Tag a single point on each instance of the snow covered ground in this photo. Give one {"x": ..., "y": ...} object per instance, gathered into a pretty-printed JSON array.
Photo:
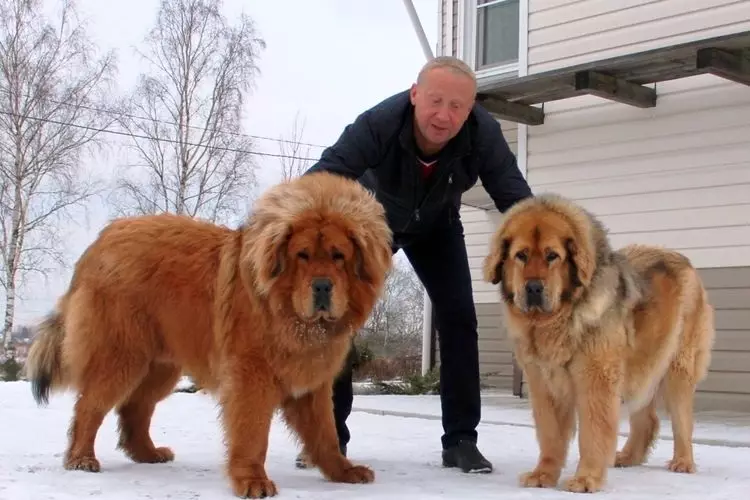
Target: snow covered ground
[{"x": 404, "y": 452}]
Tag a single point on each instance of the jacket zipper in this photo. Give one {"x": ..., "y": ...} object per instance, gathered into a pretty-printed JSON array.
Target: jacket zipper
[{"x": 417, "y": 216}]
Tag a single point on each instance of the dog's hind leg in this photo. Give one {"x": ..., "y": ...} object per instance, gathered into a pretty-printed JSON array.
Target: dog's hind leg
[
  {"x": 104, "y": 367},
  {"x": 644, "y": 427},
  {"x": 679, "y": 392},
  {"x": 135, "y": 414},
  {"x": 99, "y": 393}
]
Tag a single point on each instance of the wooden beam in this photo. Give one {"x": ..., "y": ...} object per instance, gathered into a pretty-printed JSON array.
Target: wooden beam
[
  {"x": 614, "y": 89},
  {"x": 734, "y": 66},
  {"x": 512, "y": 111}
]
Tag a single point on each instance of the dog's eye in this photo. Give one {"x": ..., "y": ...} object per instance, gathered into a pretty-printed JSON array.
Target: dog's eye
[
  {"x": 522, "y": 257},
  {"x": 303, "y": 255},
  {"x": 337, "y": 255},
  {"x": 551, "y": 256}
]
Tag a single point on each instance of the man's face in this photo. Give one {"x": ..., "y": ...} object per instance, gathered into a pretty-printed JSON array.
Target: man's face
[{"x": 442, "y": 102}]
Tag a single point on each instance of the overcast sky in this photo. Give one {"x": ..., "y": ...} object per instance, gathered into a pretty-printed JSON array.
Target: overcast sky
[{"x": 327, "y": 60}]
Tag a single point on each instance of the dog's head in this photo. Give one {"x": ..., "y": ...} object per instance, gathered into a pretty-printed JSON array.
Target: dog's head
[
  {"x": 543, "y": 256},
  {"x": 319, "y": 250}
]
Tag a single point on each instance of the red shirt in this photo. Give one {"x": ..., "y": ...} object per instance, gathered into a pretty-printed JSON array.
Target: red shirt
[{"x": 426, "y": 167}]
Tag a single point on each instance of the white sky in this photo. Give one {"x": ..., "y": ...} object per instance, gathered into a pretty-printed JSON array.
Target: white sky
[{"x": 327, "y": 60}]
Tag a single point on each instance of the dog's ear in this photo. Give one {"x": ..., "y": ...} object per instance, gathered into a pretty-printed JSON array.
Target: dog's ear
[
  {"x": 278, "y": 261},
  {"x": 360, "y": 269},
  {"x": 581, "y": 266},
  {"x": 494, "y": 262},
  {"x": 263, "y": 256},
  {"x": 372, "y": 258}
]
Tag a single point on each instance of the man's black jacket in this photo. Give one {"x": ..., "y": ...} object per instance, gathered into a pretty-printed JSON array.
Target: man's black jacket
[{"x": 379, "y": 150}]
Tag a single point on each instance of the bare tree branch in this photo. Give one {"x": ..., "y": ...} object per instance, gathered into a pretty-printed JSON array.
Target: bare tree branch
[
  {"x": 193, "y": 158},
  {"x": 295, "y": 156},
  {"x": 50, "y": 86},
  {"x": 395, "y": 324}
]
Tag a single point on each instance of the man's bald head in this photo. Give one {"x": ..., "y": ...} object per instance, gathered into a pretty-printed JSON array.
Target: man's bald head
[{"x": 443, "y": 97}]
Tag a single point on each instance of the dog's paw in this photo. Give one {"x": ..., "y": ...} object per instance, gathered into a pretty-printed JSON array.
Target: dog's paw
[
  {"x": 583, "y": 484},
  {"x": 539, "y": 478},
  {"x": 623, "y": 459},
  {"x": 86, "y": 464},
  {"x": 355, "y": 474},
  {"x": 682, "y": 465},
  {"x": 254, "y": 487},
  {"x": 156, "y": 456}
]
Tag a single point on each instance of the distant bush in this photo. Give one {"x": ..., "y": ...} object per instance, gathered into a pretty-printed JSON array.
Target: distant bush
[{"x": 10, "y": 370}]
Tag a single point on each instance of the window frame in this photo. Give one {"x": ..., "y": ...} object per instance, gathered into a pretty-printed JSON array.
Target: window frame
[{"x": 467, "y": 40}]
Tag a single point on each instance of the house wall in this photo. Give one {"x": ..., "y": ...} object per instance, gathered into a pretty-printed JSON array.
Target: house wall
[
  {"x": 568, "y": 32},
  {"x": 676, "y": 175}
]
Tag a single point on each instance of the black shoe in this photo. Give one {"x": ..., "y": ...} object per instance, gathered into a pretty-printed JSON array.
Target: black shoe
[
  {"x": 302, "y": 461},
  {"x": 467, "y": 457}
]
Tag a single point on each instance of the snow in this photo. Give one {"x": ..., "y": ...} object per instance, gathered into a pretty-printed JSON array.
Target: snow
[{"x": 403, "y": 451}]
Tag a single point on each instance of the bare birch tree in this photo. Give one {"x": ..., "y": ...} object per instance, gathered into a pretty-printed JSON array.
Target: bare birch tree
[
  {"x": 187, "y": 110},
  {"x": 50, "y": 87},
  {"x": 294, "y": 156},
  {"x": 395, "y": 323}
]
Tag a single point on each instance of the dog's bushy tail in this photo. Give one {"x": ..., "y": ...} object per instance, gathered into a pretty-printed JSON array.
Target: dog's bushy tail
[{"x": 44, "y": 365}]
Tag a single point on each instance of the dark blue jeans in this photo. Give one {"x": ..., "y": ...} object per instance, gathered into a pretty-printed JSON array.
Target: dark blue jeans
[{"x": 440, "y": 261}]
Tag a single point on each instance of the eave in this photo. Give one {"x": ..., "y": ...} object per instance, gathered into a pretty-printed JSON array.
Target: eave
[{"x": 622, "y": 79}]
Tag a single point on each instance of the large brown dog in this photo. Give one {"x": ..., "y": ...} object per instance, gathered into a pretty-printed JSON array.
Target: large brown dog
[
  {"x": 261, "y": 316},
  {"x": 593, "y": 327}
]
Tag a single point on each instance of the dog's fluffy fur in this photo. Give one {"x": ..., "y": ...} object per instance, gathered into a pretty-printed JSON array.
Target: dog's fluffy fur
[
  {"x": 158, "y": 295},
  {"x": 594, "y": 328}
]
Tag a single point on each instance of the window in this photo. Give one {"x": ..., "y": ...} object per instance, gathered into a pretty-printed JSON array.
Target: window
[{"x": 497, "y": 31}]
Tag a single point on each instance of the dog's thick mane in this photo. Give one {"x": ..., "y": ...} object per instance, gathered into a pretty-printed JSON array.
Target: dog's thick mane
[
  {"x": 614, "y": 285},
  {"x": 322, "y": 195}
]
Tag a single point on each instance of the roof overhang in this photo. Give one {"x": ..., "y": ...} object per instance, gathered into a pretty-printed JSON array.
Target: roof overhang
[{"x": 620, "y": 79}]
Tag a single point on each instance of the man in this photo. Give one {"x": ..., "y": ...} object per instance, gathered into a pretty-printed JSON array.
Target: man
[{"x": 418, "y": 151}]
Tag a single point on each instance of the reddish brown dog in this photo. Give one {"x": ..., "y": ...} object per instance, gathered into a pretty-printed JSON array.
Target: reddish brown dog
[{"x": 261, "y": 316}]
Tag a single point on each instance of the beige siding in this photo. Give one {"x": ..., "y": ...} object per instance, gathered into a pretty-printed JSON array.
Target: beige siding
[
  {"x": 448, "y": 19},
  {"x": 445, "y": 28},
  {"x": 568, "y": 32},
  {"x": 495, "y": 357},
  {"x": 676, "y": 175},
  {"x": 727, "y": 386},
  {"x": 454, "y": 31}
]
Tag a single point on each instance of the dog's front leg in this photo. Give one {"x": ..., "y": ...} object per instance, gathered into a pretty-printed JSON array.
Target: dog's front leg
[
  {"x": 311, "y": 417},
  {"x": 249, "y": 397},
  {"x": 597, "y": 378},
  {"x": 553, "y": 410}
]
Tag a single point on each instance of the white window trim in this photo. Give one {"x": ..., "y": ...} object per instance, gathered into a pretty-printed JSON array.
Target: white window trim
[{"x": 467, "y": 22}]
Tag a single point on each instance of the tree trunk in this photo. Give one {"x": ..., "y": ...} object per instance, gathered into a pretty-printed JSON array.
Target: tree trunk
[{"x": 13, "y": 258}]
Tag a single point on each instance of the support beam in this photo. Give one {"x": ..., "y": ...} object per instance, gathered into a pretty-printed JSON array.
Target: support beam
[
  {"x": 615, "y": 89},
  {"x": 734, "y": 66},
  {"x": 512, "y": 111},
  {"x": 418, "y": 30}
]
